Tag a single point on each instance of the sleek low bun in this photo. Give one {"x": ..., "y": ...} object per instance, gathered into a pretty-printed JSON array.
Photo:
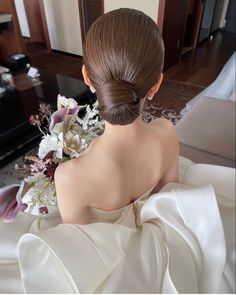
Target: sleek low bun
[
  {"x": 124, "y": 56},
  {"x": 118, "y": 102}
]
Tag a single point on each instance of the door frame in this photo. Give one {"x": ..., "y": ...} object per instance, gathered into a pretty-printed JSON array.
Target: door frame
[
  {"x": 161, "y": 14},
  {"x": 81, "y": 16},
  {"x": 44, "y": 22}
]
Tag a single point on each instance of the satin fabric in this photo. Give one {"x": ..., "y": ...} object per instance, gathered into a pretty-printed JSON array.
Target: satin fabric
[{"x": 180, "y": 240}]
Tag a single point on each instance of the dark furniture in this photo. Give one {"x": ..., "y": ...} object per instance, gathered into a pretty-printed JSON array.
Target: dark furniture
[
  {"x": 5, "y": 22},
  {"x": 16, "y": 134}
]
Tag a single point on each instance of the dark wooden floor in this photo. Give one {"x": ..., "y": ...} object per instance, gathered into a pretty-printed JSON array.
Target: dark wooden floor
[
  {"x": 56, "y": 62},
  {"x": 202, "y": 66},
  {"x": 199, "y": 67}
]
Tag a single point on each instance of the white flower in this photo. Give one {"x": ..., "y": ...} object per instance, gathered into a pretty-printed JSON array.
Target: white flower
[
  {"x": 73, "y": 145},
  {"x": 89, "y": 120},
  {"x": 37, "y": 178},
  {"x": 67, "y": 102},
  {"x": 48, "y": 144},
  {"x": 42, "y": 193},
  {"x": 59, "y": 150}
]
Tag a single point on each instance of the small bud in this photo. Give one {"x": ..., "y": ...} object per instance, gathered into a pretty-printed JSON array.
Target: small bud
[{"x": 43, "y": 210}]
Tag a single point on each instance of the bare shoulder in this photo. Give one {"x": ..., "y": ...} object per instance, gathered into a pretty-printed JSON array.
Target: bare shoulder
[
  {"x": 168, "y": 141},
  {"x": 165, "y": 133},
  {"x": 82, "y": 179},
  {"x": 66, "y": 172},
  {"x": 73, "y": 189},
  {"x": 69, "y": 176},
  {"x": 165, "y": 129},
  {"x": 162, "y": 122}
]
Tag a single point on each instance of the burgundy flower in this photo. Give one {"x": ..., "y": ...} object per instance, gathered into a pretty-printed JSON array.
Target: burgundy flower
[
  {"x": 43, "y": 210},
  {"x": 50, "y": 169},
  {"x": 45, "y": 111},
  {"x": 48, "y": 156},
  {"x": 10, "y": 202},
  {"x": 23, "y": 207},
  {"x": 34, "y": 120}
]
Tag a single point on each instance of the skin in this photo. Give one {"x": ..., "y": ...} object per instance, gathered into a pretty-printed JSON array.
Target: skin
[{"x": 118, "y": 167}]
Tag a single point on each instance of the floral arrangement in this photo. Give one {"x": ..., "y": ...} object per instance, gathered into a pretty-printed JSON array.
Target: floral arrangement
[{"x": 64, "y": 136}]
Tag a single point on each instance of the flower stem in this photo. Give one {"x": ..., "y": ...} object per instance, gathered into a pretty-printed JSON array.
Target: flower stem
[{"x": 40, "y": 129}]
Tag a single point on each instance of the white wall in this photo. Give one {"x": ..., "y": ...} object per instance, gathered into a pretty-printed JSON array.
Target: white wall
[
  {"x": 64, "y": 21},
  {"x": 149, "y": 7},
  {"x": 64, "y": 25},
  {"x": 218, "y": 20},
  {"x": 223, "y": 15},
  {"x": 20, "y": 9}
]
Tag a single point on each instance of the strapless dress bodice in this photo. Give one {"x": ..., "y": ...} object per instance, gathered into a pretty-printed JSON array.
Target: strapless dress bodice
[{"x": 118, "y": 215}]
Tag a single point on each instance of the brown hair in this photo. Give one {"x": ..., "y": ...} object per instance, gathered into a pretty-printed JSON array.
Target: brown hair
[{"x": 123, "y": 55}]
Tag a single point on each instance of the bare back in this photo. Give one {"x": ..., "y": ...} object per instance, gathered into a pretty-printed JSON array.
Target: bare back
[{"x": 113, "y": 173}]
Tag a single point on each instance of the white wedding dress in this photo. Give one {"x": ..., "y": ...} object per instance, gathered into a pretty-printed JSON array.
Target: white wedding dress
[{"x": 180, "y": 240}]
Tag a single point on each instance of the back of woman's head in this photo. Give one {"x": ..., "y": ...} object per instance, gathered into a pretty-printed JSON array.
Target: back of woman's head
[{"x": 123, "y": 55}]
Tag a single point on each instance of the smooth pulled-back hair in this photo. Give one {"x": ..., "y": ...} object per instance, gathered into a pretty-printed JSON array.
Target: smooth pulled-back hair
[{"x": 123, "y": 55}]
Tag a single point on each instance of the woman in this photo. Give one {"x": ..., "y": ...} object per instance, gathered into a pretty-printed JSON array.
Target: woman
[
  {"x": 137, "y": 155},
  {"x": 128, "y": 225}
]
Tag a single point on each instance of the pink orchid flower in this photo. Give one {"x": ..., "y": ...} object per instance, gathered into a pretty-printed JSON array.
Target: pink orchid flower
[
  {"x": 10, "y": 202},
  {"x": 61, "y": 115}
]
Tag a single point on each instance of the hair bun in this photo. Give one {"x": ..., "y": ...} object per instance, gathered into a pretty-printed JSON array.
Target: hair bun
[{"x": 118, "y": 102}]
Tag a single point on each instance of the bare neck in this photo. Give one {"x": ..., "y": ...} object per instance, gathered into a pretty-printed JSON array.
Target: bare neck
[{"x": 123, "y": 132}]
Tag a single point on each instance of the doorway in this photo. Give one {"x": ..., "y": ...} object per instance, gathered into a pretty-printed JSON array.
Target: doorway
[
  {"x": 193, "y": 24},
  {"x": 32, "y": 20},
  {"x": 89, "y": 11},
  {"x": 189, "y": 22}
]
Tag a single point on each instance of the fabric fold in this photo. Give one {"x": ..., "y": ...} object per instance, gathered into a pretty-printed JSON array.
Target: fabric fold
[{"x": 81, "y": 259}]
